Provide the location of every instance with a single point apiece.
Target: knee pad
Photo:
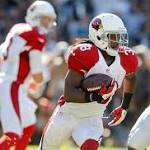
(90, 144)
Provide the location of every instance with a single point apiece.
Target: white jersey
(139, 136)
(23, 44)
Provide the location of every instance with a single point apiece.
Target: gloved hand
(118, 115)
(103, 95)
(107, 92)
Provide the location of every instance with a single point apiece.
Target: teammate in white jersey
(139, 136)
(22, 52)
(79, 113)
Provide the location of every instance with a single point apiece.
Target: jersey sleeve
(82, 57)
(129, 60)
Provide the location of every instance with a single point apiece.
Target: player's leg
(28, 120)
(139, 135)
(88, 134)
(25, 138)
(57, 130)
(10, 115)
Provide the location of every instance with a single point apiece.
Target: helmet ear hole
(98, 38)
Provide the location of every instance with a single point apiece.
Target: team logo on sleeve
(96, 24)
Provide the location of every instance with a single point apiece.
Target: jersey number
(85, 47)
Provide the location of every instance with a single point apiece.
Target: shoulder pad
(82, 57)
(128, 59)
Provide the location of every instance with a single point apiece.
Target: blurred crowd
(72, 22)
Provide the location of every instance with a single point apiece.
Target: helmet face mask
(115, 40)
(39, 10)
(118, 38)
(108, 32)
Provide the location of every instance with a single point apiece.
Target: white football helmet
(38, 9)
(102, 27)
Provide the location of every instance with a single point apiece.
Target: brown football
(94, 82)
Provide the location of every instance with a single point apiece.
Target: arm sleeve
(133, 65)
(129, 62)
(35, 61)
(81, 61)
(77, 65)
(14, 45)
(18, 43)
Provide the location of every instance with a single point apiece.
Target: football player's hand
(118, 115)
(108, 91)
(103, 95)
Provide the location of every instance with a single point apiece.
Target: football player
(22, 50)
(79, 113)
(139, 136)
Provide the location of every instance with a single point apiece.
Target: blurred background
(72, 22)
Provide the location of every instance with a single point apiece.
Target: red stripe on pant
(15, 98)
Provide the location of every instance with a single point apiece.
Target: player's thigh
(9, 119)
(58, 128)
(89, 128)
(139, 136)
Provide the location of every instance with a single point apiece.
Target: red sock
(7, 140)
(27, 134)
(90, 144)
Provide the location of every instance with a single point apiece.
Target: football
(95, 81)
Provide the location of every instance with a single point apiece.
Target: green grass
(66, 147)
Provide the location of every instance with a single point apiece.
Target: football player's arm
(72, 90)
(36, 66)
(120, 112)
(128, 90)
